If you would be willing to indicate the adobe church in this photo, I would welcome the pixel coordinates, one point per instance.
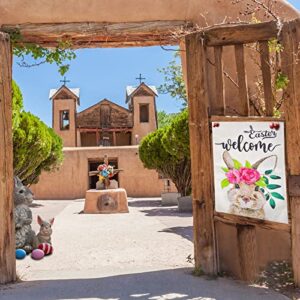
(105, 123)
(104, 128)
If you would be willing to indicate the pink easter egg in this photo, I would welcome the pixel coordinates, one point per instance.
(37, 254)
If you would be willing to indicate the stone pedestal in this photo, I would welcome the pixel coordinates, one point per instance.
(169, 199)
(185, 204)
(106, 201)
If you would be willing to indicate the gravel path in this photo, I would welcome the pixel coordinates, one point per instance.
(139, 255)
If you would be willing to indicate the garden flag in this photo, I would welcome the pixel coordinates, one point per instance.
(249, 169)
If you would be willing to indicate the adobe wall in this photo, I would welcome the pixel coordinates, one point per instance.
(54, 11)
(71, 181)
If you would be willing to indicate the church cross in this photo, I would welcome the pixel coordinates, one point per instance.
(65, 80)
(140, 78)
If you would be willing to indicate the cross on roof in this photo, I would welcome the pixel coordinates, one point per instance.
(140, 78)
(65, 80)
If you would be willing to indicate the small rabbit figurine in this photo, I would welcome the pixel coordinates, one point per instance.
(44, 235)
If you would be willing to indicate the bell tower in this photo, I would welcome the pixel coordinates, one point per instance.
(64, 109)
(142, 102)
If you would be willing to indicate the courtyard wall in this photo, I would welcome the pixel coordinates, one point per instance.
(71, 181)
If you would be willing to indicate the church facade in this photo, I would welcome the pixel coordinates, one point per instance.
(104, 128)
(105, 123)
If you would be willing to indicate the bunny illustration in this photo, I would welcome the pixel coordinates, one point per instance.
(246, 198)
(23, 197)
(44, 235)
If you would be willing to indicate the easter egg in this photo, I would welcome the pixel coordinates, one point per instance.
(37, 254)
(46, 248)
(20, 254)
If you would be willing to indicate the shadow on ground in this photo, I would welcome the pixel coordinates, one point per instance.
(184, 231)
(166, 212)
(166, 284)
(144, 203)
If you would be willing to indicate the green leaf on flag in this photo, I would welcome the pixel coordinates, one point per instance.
(273, 186)
(275, 177)
(266, 179)
(237, 164)
(268, 172)
(225, 182)
(248, 165)
(261, 182)
(272, 203)
(225, 169)
(277, 195)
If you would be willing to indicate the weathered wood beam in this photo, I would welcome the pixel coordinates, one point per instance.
(7, 232)
(104, 129)
(291, 68)
(235, 220)
(242, 79)
(267, 77)
(93, 34)
(239, 33)
(201, 155)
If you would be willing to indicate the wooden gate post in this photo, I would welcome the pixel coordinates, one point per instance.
(7, 234)
(201, 154)
(291, 68)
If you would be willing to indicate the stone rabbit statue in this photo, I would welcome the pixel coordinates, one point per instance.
(44, 235)
(23, 197)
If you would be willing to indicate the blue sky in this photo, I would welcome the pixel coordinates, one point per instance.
(99, 73)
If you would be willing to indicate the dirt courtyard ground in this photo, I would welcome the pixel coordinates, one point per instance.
(139, 255)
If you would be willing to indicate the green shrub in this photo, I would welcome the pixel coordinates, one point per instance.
(35, 146)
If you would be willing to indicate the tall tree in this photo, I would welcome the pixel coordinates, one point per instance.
(165, 119)
(170, 158)
(36, 146)
(174, 83)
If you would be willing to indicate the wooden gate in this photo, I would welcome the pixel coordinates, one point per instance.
(207, 102)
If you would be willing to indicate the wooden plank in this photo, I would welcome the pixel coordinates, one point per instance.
(290, 40)
(245, 119)
(267, 77)
(239, 33)
(114, 138)
(246, 235)
(201, 156)
(97, 137)
(219, 102)
(235, 220)
(294, 185)
(7, 233)
(242, 80)
(101, 34)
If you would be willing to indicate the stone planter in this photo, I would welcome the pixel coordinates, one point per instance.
(169, 199)
(185, 204)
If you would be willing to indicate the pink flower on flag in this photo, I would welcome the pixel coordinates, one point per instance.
(249, 176)
(233, 176)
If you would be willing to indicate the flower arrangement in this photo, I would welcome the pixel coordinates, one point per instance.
(248, 175)
(106, 171)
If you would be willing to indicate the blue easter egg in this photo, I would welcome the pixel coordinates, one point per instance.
(20, 254)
